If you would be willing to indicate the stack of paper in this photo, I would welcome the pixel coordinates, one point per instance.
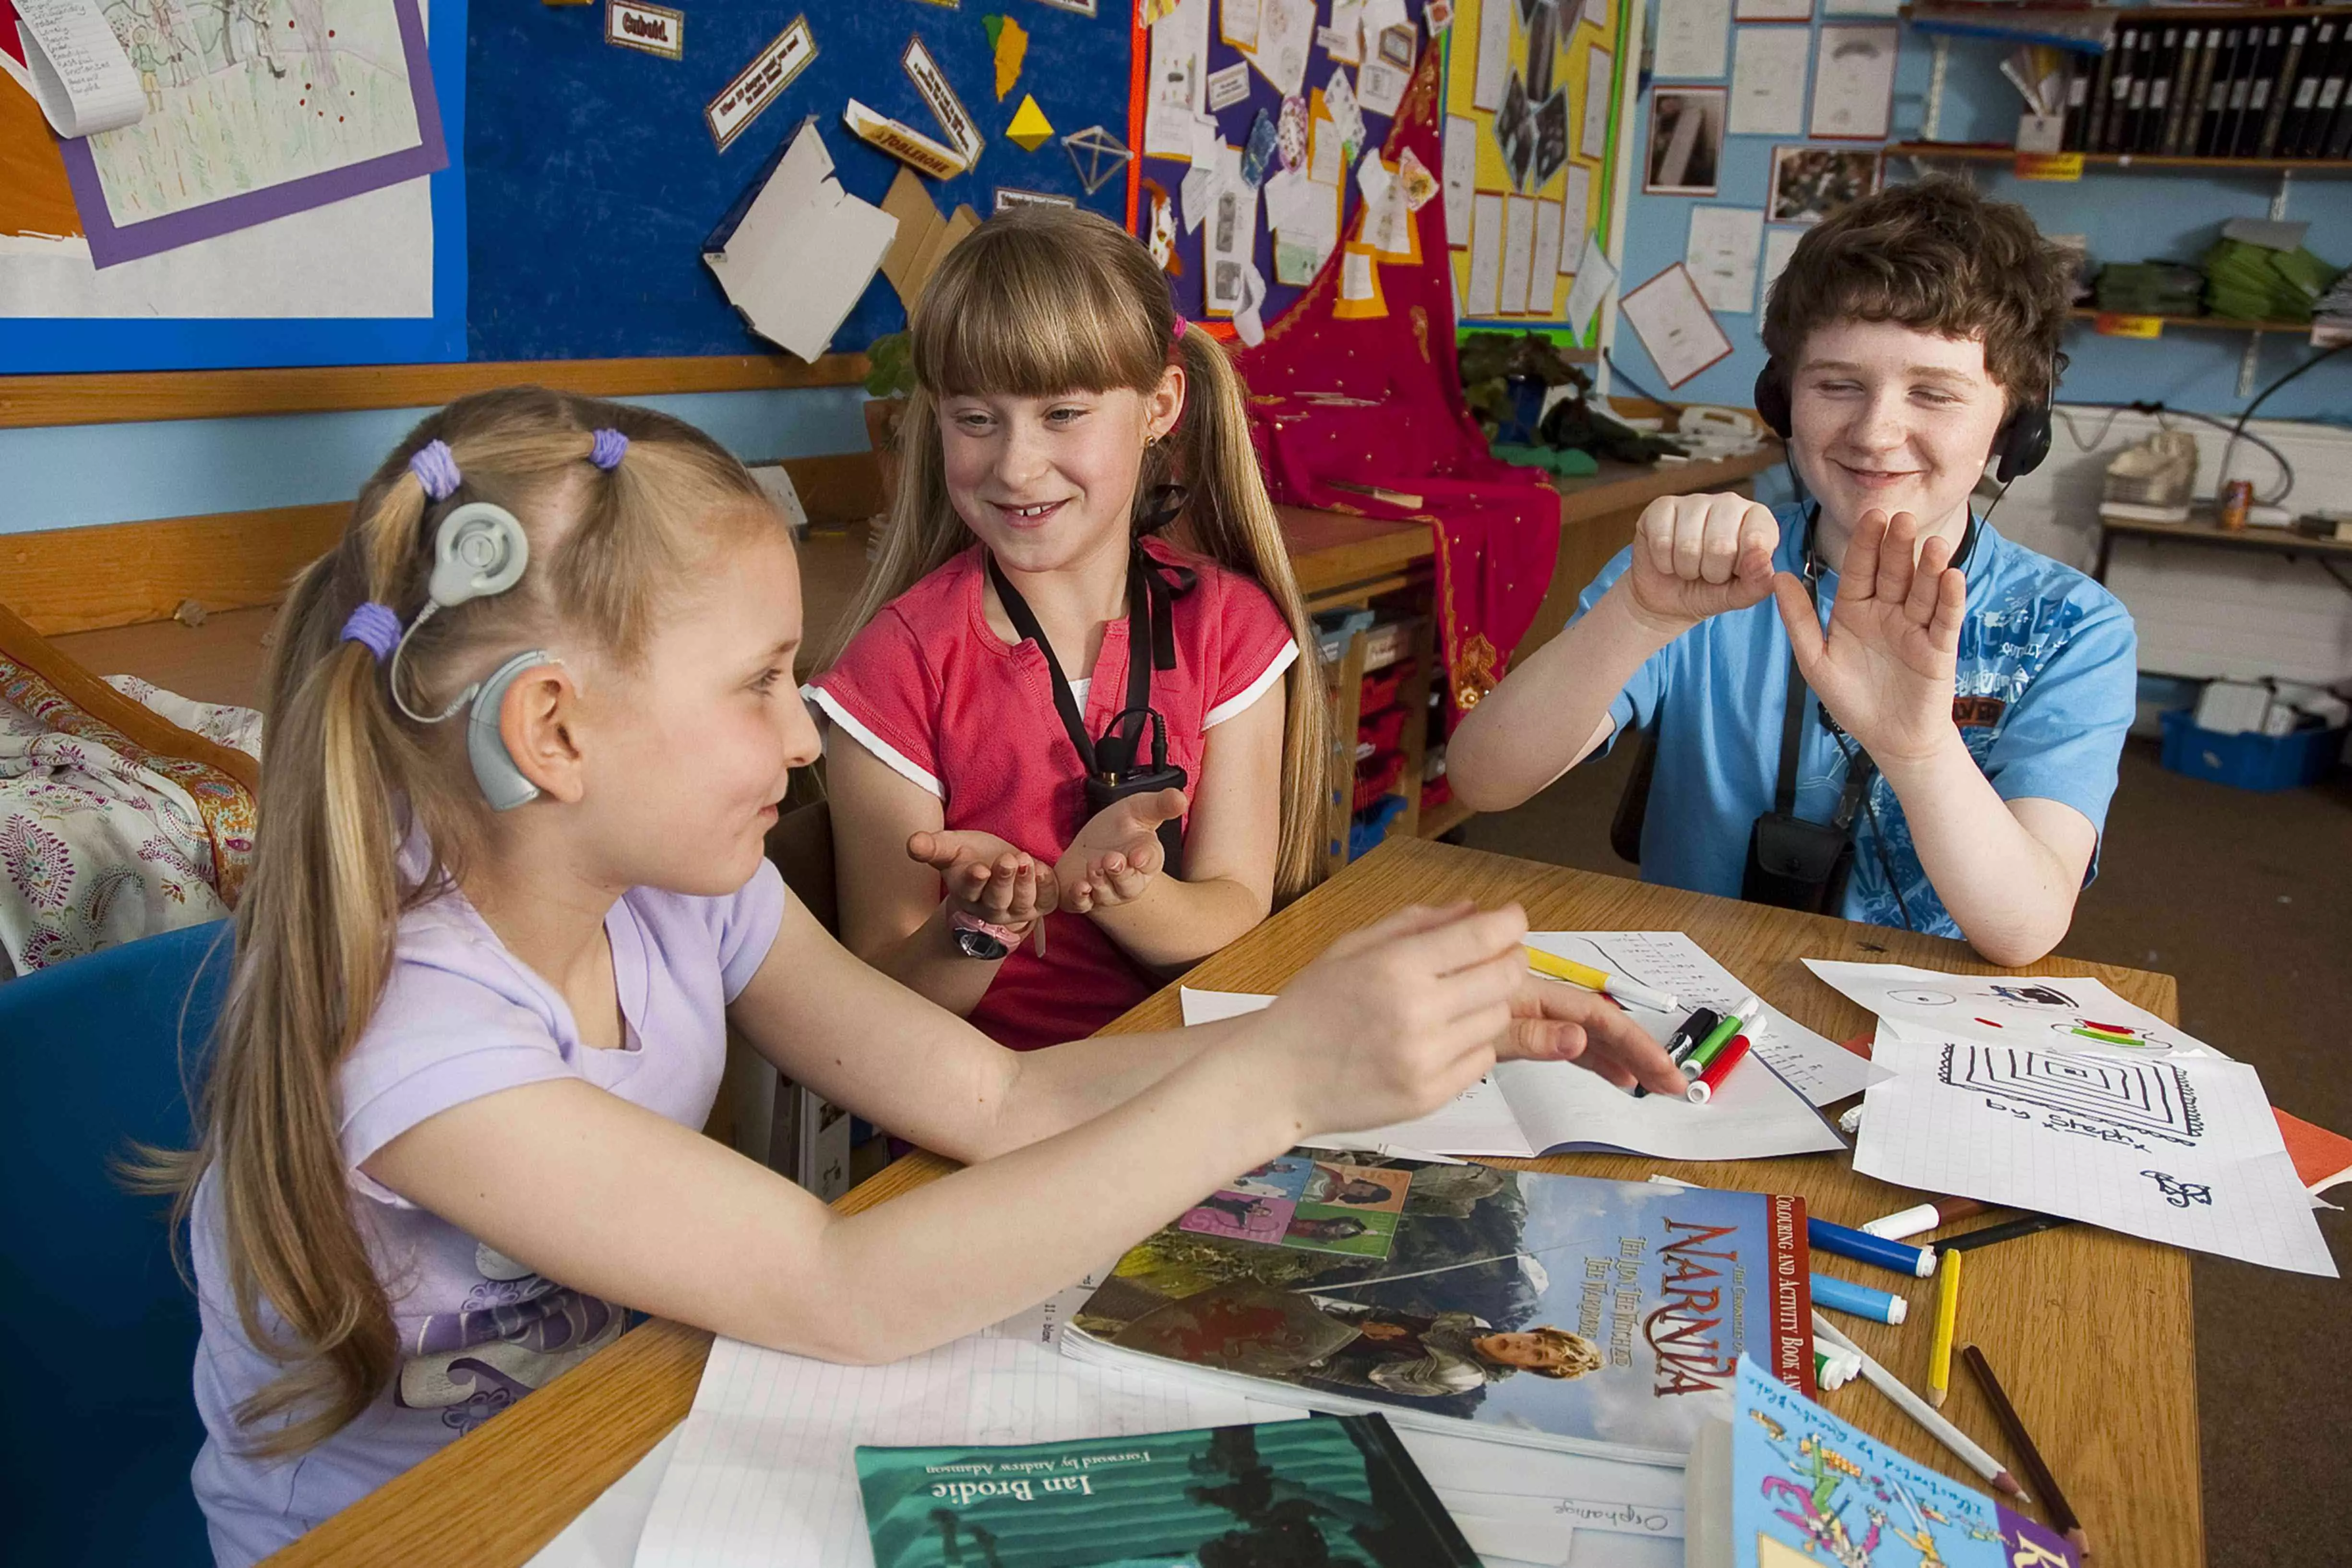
(797, 250)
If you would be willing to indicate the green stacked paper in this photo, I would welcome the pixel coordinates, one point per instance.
(2150, 289)
(2255, 283)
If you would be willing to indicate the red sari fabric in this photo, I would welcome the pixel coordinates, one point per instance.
(1376, 401)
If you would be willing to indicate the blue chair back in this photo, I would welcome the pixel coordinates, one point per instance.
(99, 1423)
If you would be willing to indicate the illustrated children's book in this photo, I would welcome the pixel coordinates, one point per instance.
(1321, 1490)
(1559, 1311)
(1785, 1483)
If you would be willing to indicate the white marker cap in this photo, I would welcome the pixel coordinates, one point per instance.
(1904, 1223)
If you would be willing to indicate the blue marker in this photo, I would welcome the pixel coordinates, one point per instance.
(1845, 1296)
(1864, 1247)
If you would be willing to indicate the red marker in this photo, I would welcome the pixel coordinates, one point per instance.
(1703, 1088)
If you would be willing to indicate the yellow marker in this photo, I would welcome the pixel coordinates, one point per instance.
(1947, 1312)
(1599, 980)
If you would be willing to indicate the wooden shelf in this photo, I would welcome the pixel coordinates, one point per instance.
(1983, 152)
(2204, 323)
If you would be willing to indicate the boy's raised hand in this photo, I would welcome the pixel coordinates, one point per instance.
(1118, 852)
(1886, 668)
(987, 877)
(1695, 556)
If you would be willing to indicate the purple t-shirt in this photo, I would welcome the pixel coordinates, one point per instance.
(461, 1018)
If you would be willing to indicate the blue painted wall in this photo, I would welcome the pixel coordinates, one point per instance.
(2127, 216)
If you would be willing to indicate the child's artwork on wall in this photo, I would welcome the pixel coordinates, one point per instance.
(1810, 183)
(1686, 141)
(254, 110)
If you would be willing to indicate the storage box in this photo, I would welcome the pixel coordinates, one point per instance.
(2248, 761)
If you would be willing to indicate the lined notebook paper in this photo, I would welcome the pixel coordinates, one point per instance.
(763, 1477)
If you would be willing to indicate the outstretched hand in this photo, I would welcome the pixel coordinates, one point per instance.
(1552, 1021)
(1886, 668)
(985, 876)
(1118, 852)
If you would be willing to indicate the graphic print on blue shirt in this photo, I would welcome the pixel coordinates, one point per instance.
(2045, 691)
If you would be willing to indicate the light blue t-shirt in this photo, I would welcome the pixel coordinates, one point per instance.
(2046, 687)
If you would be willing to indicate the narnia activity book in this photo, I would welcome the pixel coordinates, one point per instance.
(1555, 1310)
(1319, 1491)
(1785, 1483)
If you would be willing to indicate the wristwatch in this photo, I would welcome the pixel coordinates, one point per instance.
(977, 938)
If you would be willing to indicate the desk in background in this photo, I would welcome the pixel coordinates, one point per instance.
(2202, 529)
(2090, 1328)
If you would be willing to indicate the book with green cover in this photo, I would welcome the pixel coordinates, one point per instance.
(1337, 1491)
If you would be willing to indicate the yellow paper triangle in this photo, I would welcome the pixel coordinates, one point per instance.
(1029, 129)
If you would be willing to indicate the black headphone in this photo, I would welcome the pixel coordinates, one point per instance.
(2020, 444)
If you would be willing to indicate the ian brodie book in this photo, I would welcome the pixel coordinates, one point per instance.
(1560, 1312)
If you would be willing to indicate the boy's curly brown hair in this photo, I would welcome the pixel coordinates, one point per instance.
(1937, 258)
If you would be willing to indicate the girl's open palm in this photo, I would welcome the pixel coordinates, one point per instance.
(986, 876)
(1116, 854)
(1885, 670)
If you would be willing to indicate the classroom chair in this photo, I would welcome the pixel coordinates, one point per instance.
(100, 1423)
(801, 844)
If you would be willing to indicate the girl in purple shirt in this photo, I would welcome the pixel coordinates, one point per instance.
(531, 720)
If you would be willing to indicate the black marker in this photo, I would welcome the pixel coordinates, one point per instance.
(1685, 1039)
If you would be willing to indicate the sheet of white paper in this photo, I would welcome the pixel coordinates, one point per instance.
(1779, 244)
(1356, 276)
(2051, 1011)
(1543, 271)
(1854, 82)
(1675, 326)
(1724, 246)
(1692, 39)
(803, 252)
(1821, 1069)
(1249, 322)
(1594, 140)
(1576, 202)
(764, 1475)
(1494, 55)
(1289, 196)
(1768, 81)
(2179, 1148)
(1461, 176)
(1229, 86)
(81, 78)
(1339, 99)
(1594, 277)
(1327, 154)
(1286, 40)
(1597, 12)
(605, 1533)
(1238, 21)
(1344, 39)
(1380, 87)
(1482, 293)
(1179, 78)
(1518, 254)
(1228, 247)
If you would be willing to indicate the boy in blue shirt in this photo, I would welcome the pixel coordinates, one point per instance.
(1967, 698)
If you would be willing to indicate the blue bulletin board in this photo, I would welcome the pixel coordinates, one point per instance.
(572, 226)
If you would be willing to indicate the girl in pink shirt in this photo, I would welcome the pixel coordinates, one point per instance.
(1065, 417)
(529, 722)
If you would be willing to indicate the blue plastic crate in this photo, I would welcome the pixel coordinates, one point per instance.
(2249, 762)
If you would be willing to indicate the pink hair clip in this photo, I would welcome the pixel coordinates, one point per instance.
(1177, 336)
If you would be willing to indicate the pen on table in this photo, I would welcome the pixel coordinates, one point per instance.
(1685, 1037)
(1947, 1313)
(1616, 987)
(1862, 1300)
(1969, 1451)
(1864, 1247)
(1734, 1050)
(2062, 1513)
(1923, 1218)
(2007, 1230)
(1718, 1038)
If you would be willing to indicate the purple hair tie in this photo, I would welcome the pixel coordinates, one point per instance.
(375, 627)
(435, 468)
(605, 448)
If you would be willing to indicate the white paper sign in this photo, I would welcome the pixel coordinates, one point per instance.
(1594, 143)
(1543, 272)
(1768, 81)
(1675, 325)
(1724, 247)
(1494, 55)
(1692, 39)
(1577, 210)
(1229, 86)
(1179, 82)
(1461, 176)
(1482, 294)
(1285, 36)
(1518, 254)
(1594, 277)
(1854, 83)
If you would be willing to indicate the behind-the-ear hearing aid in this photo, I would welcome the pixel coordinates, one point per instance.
(479, 551)
(2020, 444)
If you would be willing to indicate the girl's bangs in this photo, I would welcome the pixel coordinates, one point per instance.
(1033, 331)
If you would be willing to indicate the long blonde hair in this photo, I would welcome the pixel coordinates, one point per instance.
(1043, 300)
(316, 924)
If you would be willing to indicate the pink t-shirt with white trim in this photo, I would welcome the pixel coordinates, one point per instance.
(930, 687)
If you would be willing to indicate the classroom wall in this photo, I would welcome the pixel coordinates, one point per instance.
(2127, 216)
(74, 476)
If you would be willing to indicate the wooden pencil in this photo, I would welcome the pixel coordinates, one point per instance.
(2061, 1513)
(1947, 1307)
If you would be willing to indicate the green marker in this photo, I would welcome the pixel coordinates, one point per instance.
(1718, 1038)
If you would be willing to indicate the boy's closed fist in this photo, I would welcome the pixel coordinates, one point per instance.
(1695, 556)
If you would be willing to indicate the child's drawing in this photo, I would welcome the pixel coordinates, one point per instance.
(242, 95)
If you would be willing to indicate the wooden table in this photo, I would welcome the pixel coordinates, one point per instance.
(2089, 1329)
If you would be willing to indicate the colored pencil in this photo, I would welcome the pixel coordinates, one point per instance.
(2007, 1230)
(1969, 1452)
(2062, 1513)
(1923, 1218)
(1948, 1314)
